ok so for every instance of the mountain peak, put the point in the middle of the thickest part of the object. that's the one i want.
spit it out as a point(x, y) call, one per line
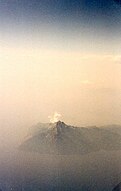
point(60, 123)
point(59, 138)
point(59, 127)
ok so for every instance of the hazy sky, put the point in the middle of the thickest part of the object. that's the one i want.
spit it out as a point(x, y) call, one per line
point(59, 55)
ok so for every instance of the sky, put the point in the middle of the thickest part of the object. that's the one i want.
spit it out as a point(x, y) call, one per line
point(59, 56)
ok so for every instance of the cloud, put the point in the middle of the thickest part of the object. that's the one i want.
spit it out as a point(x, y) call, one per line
point(55, 117)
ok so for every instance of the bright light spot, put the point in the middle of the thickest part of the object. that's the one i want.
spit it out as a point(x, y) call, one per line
point(55, 118)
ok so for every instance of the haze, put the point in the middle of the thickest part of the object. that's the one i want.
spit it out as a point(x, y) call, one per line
point(56, 64)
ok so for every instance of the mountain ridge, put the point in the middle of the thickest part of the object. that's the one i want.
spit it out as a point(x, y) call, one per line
point(61, 139)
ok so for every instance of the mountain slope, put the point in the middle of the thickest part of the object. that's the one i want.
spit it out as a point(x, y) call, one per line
point(59, 138)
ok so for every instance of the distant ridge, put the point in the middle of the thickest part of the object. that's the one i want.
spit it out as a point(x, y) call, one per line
point(61, 139)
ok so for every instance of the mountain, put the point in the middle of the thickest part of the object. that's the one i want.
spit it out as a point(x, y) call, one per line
point(61, 139)
point(113, 128)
